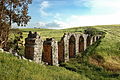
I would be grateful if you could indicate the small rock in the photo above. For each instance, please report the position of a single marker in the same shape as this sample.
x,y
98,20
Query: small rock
x,y
7,52
19,57
1,50
15,54
30,60
23,58
46,63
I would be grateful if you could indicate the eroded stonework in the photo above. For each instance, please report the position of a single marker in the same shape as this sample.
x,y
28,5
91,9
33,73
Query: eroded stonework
x,y
50,51
53,52
33,47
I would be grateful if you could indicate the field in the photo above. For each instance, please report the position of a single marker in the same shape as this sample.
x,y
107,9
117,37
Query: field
x,y
101,61
51,33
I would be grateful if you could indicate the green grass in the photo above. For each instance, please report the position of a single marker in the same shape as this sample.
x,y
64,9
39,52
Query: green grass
x,y
91,71
50,33
109,48
101,61
12,68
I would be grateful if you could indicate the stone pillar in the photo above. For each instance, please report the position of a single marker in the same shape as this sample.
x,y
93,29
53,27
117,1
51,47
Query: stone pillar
x,y
33,47
77,44
66,48
95,38
50,54
91,41
38,50
85,40
54,45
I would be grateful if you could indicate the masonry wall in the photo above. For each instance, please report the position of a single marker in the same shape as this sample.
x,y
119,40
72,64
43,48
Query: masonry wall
x,y
33,47
29,52
52,52
61,51
47,53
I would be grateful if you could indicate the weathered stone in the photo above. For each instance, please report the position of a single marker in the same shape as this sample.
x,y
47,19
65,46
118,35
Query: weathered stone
x,y
52,52
29,60
85,40
1,50
33,47
23,58
15,54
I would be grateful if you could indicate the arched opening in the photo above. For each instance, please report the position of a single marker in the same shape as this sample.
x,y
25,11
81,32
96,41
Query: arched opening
x,y
61,51
88,40
72,47
97,38
93,39
81,44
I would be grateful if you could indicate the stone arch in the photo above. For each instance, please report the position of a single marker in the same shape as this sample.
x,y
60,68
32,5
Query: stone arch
x,y
50,51
81,44
88,40
72,46
97,37
94,39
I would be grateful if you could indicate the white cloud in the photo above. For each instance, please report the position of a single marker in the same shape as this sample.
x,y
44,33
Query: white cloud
x,y
52,25
94,20
103,12
43,6
103,6
76,21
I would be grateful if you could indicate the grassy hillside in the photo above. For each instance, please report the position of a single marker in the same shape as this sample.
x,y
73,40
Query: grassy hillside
x,y
109,48
100,61
51,33
105,55
12,68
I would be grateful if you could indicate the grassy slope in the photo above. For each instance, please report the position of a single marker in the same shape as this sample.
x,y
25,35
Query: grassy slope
x,y
50,33
12,68
108,49
102,63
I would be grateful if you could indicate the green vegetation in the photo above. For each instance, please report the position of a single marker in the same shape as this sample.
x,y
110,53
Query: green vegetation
x,y
51,33
15,43
109,48
12,68
91,71
101,61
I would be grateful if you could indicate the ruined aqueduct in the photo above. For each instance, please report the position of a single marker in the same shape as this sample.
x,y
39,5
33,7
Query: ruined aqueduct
x,y
54,52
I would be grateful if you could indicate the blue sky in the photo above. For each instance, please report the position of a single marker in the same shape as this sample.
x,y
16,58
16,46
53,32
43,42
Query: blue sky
x,y
59,14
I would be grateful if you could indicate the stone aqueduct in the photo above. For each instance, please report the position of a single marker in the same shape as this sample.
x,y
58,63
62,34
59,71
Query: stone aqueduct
x,y
54,52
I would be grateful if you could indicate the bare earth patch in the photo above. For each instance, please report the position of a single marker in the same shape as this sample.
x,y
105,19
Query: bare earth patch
x,y
112,63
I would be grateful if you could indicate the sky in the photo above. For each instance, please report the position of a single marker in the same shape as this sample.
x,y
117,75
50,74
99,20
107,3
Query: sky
x,y
60,14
